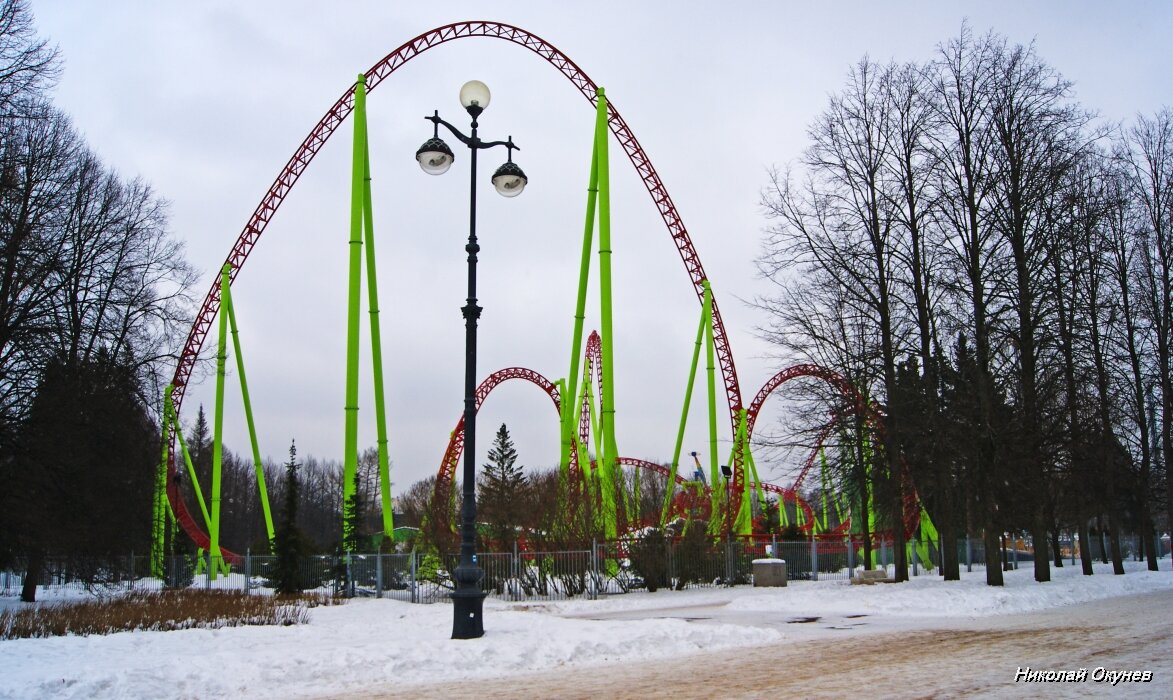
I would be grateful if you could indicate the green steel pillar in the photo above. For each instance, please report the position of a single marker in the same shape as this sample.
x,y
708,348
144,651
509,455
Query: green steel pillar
x,y
711,377
218,421
584,457
191,474
669,491
159,514
354,288
564,402
570,416
609,462
753,470
744,523
376,345
262,490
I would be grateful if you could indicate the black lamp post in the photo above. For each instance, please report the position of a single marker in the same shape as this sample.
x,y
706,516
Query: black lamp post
x,y
435,157
726,474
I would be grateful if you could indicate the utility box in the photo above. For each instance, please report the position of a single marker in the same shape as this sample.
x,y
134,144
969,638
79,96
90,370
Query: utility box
x,y
769,573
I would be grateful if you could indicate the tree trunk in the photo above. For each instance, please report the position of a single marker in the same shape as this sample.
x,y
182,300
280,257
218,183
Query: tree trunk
x,y
950,564
1148,536
864,513
1038,535
1085,549
1055,548
32,576
1114,535
1103,542
899,540
992,554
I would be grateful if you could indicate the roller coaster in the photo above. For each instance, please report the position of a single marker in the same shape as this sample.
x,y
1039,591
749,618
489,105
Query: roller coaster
x,y
581,424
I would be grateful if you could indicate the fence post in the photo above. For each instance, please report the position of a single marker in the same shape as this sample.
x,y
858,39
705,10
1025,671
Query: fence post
x,y
208,573
248,571
379,572
594,569
1015,543
968,554
884,553
915,558
514,575
814,557
414,587
850,558
349,574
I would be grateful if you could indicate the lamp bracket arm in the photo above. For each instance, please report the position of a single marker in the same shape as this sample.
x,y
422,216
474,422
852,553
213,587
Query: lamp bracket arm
x,y
508,144
435,119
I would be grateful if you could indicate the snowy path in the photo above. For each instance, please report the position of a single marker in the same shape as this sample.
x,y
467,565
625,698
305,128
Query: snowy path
x,y
924,638
932,658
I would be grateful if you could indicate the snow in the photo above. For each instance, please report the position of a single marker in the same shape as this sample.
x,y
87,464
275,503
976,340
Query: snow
x,y
370,643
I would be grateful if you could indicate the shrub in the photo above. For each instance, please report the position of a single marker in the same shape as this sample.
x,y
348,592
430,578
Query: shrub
x,y
649,558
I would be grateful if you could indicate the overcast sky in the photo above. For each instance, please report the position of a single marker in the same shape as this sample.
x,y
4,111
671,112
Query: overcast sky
x,y
207,101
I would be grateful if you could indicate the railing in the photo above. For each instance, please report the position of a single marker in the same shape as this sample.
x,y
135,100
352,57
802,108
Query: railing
x,y
603,570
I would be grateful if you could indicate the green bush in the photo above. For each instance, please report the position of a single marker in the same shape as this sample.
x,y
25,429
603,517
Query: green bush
x,y
649,558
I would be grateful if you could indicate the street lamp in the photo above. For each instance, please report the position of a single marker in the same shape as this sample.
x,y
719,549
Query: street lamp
x,y
435,157
726,474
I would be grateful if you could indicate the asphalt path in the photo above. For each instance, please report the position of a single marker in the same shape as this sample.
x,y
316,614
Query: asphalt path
x,y
861,657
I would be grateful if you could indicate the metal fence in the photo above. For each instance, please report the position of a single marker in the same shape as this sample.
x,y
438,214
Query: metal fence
x,y
611,568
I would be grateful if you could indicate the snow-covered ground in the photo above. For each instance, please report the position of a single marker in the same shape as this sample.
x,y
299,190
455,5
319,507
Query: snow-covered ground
x,y
370,645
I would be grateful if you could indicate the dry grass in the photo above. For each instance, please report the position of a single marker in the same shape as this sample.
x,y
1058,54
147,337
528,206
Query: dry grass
x,y
169,610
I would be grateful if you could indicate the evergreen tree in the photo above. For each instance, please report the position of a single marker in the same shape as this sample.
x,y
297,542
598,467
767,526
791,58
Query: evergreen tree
x,y
502,489
290,543
353,513
84,470
199,444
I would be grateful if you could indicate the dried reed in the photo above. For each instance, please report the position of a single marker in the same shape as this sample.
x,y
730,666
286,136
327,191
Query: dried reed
x,y
168,610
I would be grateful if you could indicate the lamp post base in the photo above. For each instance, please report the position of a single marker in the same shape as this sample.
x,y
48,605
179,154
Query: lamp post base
x,y
467,605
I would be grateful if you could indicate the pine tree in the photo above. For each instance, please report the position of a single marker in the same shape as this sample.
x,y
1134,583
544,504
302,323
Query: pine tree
x,y
200,447
502,491
290,543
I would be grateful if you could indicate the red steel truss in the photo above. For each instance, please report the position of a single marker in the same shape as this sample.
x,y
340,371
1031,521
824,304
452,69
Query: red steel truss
x,y
334,117
442,491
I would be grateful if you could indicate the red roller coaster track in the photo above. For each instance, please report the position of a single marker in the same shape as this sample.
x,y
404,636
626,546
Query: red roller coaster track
x,y
443,488
334,117
854,398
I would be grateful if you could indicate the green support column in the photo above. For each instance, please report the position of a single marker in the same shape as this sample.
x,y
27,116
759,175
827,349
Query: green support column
x,y
711,377
354,289
191,474
584,457
262,490
566,443
609,462
596,428
159,513
696,356
376,346
570,417
753,470
744,523
218,422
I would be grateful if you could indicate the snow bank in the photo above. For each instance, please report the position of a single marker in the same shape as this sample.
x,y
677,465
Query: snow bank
x,y
350,649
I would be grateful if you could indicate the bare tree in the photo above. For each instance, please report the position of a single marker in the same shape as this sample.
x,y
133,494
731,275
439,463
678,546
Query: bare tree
x,y
28,65
1147,157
